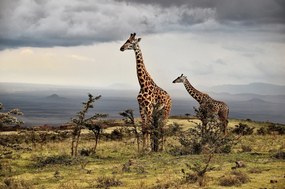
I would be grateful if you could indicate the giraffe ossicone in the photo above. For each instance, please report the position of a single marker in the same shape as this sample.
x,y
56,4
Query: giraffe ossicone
x,y
150,93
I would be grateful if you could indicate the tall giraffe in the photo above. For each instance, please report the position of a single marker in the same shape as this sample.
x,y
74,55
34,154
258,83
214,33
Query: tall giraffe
x,y
150,94
217,107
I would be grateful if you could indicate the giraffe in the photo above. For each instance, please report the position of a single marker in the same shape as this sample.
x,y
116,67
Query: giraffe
x,y
216,107
150,94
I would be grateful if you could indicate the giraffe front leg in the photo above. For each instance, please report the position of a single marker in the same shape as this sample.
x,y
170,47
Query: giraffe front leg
x,y
223,116
225,124
148,147
145,130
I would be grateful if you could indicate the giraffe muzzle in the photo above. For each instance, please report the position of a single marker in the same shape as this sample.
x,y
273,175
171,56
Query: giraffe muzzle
x,y
122,49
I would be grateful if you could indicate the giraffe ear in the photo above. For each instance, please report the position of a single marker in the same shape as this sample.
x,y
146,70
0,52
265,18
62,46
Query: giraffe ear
x,y
139,39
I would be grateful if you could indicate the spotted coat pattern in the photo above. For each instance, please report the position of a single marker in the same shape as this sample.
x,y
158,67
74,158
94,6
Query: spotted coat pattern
x,y
217,107
150,93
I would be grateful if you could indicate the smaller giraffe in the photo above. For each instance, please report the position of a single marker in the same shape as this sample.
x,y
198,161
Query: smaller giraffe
x,y
216,107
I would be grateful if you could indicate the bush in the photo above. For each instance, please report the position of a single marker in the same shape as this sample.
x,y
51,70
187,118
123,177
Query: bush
x,y
107,182
243,129
173,130
190,177
246,148
272,128
227,148
116,134
194,141
229,180
280,129
262,131
10,183
69,185
85,152
190,145
53,160
198,171
255,170
164,184
10,117
279,155
235,178
207,137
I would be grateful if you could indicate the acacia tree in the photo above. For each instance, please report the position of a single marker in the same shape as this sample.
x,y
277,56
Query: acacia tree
x,y
96,127
156,126
130,120
9,118
81,121
205,138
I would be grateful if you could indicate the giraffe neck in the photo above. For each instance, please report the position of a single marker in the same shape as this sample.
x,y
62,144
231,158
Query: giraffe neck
x,y
144,77
197,95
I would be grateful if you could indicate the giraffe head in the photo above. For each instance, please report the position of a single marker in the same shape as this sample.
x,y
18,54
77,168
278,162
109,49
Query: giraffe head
x,y
131,43
180,79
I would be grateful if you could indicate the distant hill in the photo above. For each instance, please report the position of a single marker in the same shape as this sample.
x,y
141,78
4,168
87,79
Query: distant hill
x,y
254,88
55,97
57,104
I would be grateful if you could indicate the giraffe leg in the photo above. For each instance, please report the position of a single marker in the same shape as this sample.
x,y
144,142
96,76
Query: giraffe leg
x,y
166,115
145,128
148,131
223,116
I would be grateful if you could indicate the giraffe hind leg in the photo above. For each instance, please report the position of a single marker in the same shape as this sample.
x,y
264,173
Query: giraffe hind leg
x,y
224,121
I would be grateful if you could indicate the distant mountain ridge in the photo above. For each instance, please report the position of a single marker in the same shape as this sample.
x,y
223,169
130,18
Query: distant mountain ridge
x,y
43,104
252,88
55,97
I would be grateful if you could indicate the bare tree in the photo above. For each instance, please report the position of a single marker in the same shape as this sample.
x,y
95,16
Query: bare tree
x,y
96,127
130,120
81,121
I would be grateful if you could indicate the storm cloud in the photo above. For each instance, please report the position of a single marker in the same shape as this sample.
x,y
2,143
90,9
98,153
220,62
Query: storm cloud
x,y
252,11
38,23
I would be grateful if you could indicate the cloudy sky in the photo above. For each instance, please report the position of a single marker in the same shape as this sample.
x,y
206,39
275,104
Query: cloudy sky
x,y
76,42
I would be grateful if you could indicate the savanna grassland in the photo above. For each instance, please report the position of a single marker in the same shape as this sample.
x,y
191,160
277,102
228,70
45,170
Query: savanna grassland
x,y
41,159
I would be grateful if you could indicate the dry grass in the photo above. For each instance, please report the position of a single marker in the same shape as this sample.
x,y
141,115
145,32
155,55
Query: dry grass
x,y
154,170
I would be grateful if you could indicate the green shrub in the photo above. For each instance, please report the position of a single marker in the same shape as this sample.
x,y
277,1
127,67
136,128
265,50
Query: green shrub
x,y
229,180
85,152
173,130
272,128
107,182
53,160
262,131
226,148
190,177
69,185
235,178
243,129
11,183
116,134
206,137
280,129
165,184
255,170
194,141
246,148
280,155
5,167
